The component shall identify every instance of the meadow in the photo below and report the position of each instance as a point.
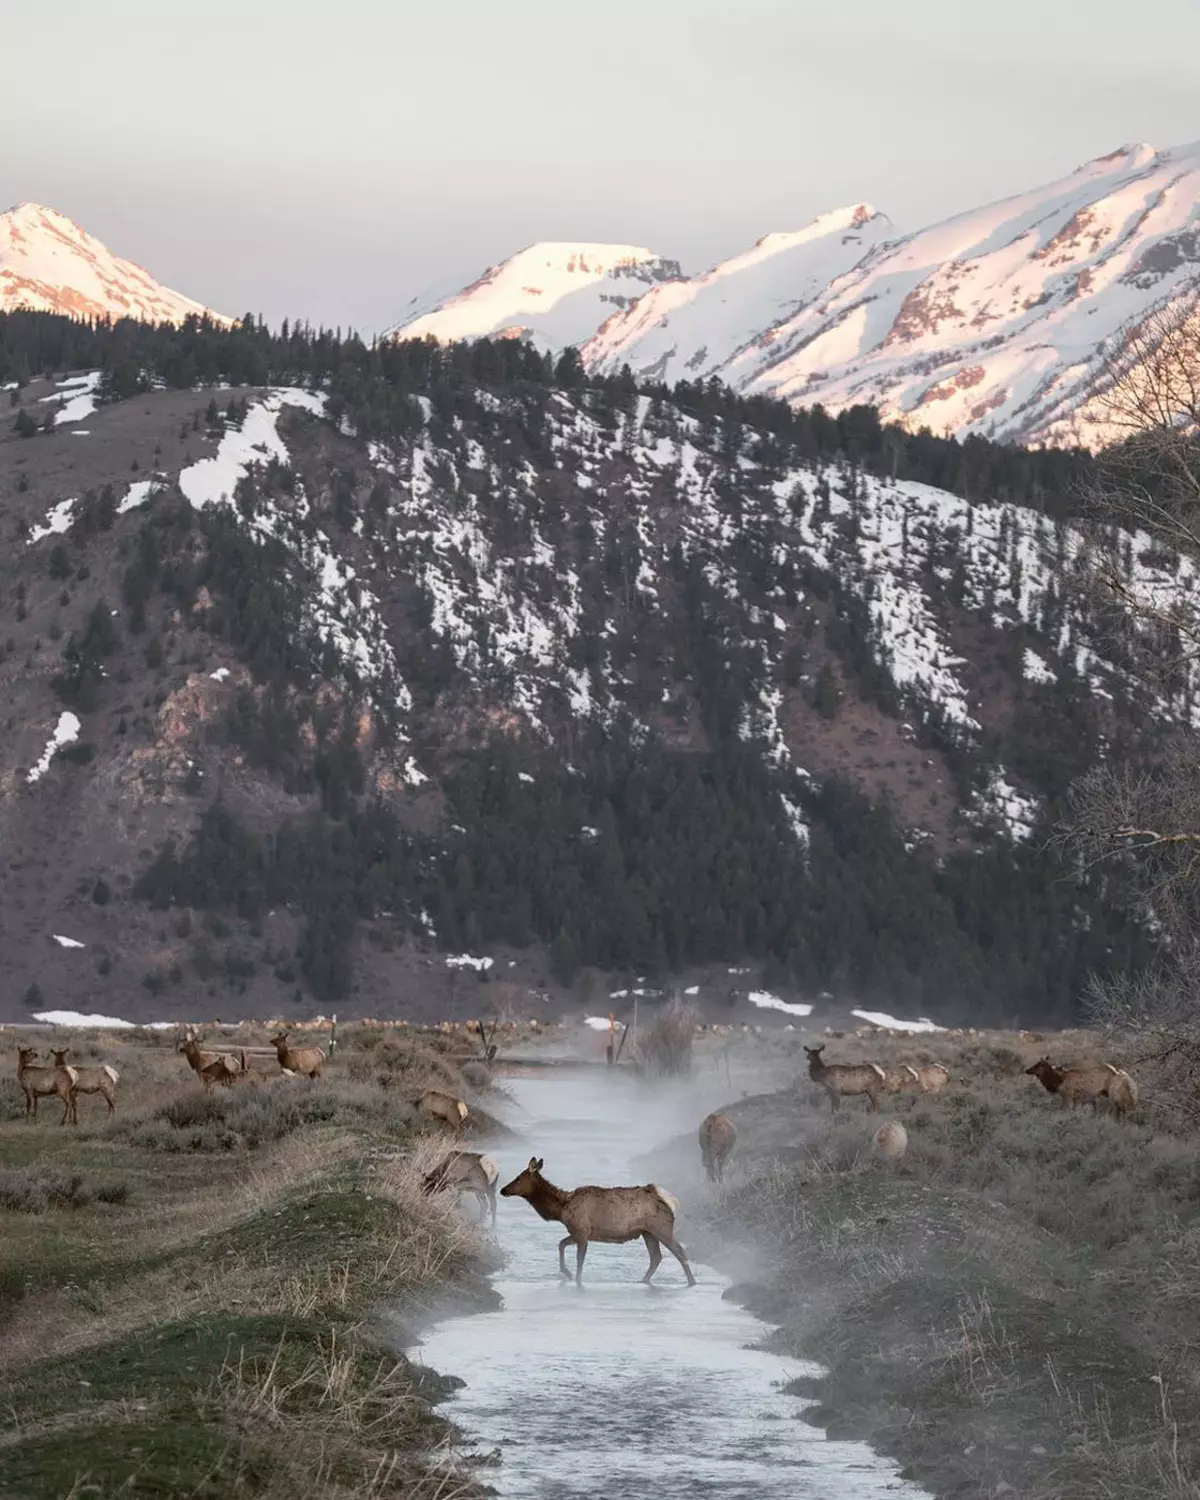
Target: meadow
(190, 1290)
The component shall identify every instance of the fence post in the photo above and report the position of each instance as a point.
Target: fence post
(333, 1036)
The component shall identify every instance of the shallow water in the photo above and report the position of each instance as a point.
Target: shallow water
(617, 1389)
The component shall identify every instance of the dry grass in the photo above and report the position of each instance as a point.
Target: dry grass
(197, 1279)
(1027, 1277)
(664, 1048)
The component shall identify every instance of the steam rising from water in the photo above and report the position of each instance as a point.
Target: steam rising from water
(618, 1389)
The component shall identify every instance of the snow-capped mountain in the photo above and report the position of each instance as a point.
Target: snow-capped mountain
(992, 322)
(48, 263)
(554, 293)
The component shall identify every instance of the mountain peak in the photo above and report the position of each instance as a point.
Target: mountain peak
(50, 263)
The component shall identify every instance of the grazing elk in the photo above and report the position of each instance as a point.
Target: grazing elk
(1093, 1082)
(891, 1140)
(306, 1060)
(610, 1216)
(38, 1082)
(930, 1078)
(717, 1138)
(901, 1080)
(444, 1107)
(839, 1079)
(466, 1172)
(933, 1078)
(101, 1080)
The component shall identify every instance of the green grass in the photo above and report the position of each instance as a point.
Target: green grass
(182, 1320)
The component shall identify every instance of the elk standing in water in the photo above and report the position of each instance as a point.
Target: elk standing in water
(717, 1138)
(1093, 1082)
(101, 1080)
(838, 1079)
(38, 1082)
(467, 1172)
(610, 1216)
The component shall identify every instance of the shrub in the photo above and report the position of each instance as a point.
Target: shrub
(664, 1049)
(33, 1190)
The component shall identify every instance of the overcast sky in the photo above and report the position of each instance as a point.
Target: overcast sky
(330, 160)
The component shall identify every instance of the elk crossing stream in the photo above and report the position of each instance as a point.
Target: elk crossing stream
(618, 1389)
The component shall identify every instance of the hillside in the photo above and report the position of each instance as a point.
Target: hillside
(48, 263)
(415, 681)
(993, 322)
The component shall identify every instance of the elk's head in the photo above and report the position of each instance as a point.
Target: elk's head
(814, 1053)
(279, 1039)
(526, 1184)
(59, 1056)
(26, 1056)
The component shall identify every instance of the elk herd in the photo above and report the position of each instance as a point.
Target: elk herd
(589, 1214)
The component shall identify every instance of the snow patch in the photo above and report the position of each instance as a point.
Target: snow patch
(57, 522)
(66, 942)
(466, 961)
(889, 1023)
(65, 732)
(766, 1001)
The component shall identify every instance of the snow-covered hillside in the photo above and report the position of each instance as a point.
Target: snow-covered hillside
(50, 264)
(554, 293)
(993, 321)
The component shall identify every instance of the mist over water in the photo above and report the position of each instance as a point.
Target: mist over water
(619, 1389)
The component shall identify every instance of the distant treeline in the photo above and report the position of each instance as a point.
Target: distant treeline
(377, 382)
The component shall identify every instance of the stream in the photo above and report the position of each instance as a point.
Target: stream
(617, 1389)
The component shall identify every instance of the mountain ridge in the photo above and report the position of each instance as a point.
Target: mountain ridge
(50, 263)
(995, 321)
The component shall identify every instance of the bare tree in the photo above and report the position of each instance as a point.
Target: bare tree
(1141, 569)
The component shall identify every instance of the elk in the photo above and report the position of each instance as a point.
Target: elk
(466, 1172)
(610, 1216)
(101, 1080)
(1093, 1081)
(902, 1080)
(930, 1078)
(933, 1078)
(717, 1138)
(37, 1082)
(306, 1060)
(444, 1107)
(838, 1079)
(891, 1140)
(209, 1067)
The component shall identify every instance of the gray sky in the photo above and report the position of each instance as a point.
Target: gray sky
(330, 160)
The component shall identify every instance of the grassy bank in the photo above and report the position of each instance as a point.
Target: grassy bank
(193, 1293)
(1014, 1307)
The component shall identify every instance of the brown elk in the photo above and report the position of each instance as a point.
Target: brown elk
(933, 1078)
(839, 1079)
(610, 1216)
(308, 1061)
(101, 1080)
(38, 1082)
(209, 1067)
(717, 1138)
(1093, 1082)
(444, 1107)
(930, 1078)
(466, 1172)
(891, 1140)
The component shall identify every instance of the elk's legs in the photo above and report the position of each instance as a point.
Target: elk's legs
(562, 1259)
(676, 1250)
(655, 1256)
(580, 1252)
